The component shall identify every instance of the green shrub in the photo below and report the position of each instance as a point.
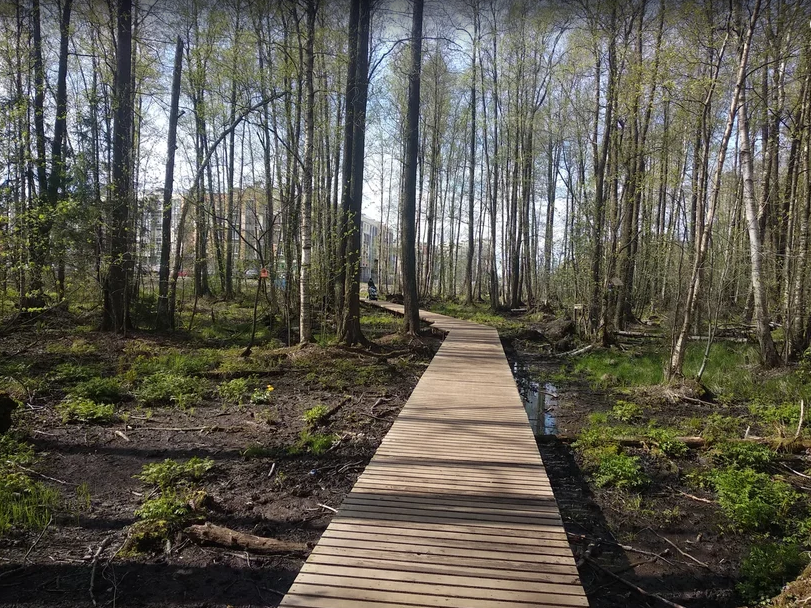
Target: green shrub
(79, 409)
(743, 455)
(627, 411)
(315, 443)
(102, 390)
(316, 415)
(170, 473)
(592, 436)
(751, 500)
(262, 396)
(767, 568)
(160, 518)
(620, 471)
(169, 506)
(718, 427)
(233, 391)
(667, 442)
(167, 387)
(770, 412)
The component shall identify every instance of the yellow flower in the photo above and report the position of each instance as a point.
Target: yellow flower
(270, 388)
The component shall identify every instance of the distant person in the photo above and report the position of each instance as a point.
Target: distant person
(372, 290)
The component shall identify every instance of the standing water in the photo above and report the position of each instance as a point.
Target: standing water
(539, 400)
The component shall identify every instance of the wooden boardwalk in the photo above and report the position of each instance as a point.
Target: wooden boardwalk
(455, 508)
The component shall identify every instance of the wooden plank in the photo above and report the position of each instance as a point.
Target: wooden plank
(455, 508)
(407, 589)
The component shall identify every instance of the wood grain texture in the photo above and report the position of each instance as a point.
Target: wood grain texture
(455, 509)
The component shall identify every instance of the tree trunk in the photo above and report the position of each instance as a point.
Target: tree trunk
(352, 333)
(116, 302)
(768, 352)
(472, 176)
(676, 363)
(164, 321)
(409, 263)
(305, 317)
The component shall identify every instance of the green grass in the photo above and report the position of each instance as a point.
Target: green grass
(174, 362)
(314, 443)
(80, 409)
(24, 503)
(730, 373)
(477, 314)
(316, 415)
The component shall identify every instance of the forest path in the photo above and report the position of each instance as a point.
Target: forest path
(455, 509)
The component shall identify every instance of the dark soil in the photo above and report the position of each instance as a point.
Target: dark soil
(607, 517)
(289, 505)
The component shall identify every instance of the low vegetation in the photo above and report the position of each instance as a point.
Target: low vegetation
(636, 447)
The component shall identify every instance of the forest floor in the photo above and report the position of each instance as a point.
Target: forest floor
(729, 519)
(123, 443)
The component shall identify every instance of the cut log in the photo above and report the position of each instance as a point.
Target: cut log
(210, 534)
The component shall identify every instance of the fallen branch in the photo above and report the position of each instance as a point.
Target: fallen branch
(95, 562)
(789, 446)
(628, 583)
(328, 508)
(582, 538)
(210, 534)
(797, 473)
(586, 554)
(694, 400)
(575, 352)
(32, 472)
(378, 402)
(697, 498)
(41, 534)
(684, 553)
(800, 423)
(176, 429)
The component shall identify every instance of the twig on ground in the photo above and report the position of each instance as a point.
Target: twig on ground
(27, 470)
(41, 534)
(684, 553)
(800, 423)
(272, 470)
(628, 583)
(586, 554)
(803, 475)
(694, 400)
(176, 429)
(122, 435)
(95, 562)
(327, 507)
(378, 402)
(580, 538)
(698, 498)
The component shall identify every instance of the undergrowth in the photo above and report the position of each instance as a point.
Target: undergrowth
(24, 502)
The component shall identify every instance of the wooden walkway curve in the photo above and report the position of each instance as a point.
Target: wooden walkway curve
(455, 508)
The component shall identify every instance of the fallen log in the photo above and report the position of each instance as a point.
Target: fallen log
(786, 445)
(210, 534)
